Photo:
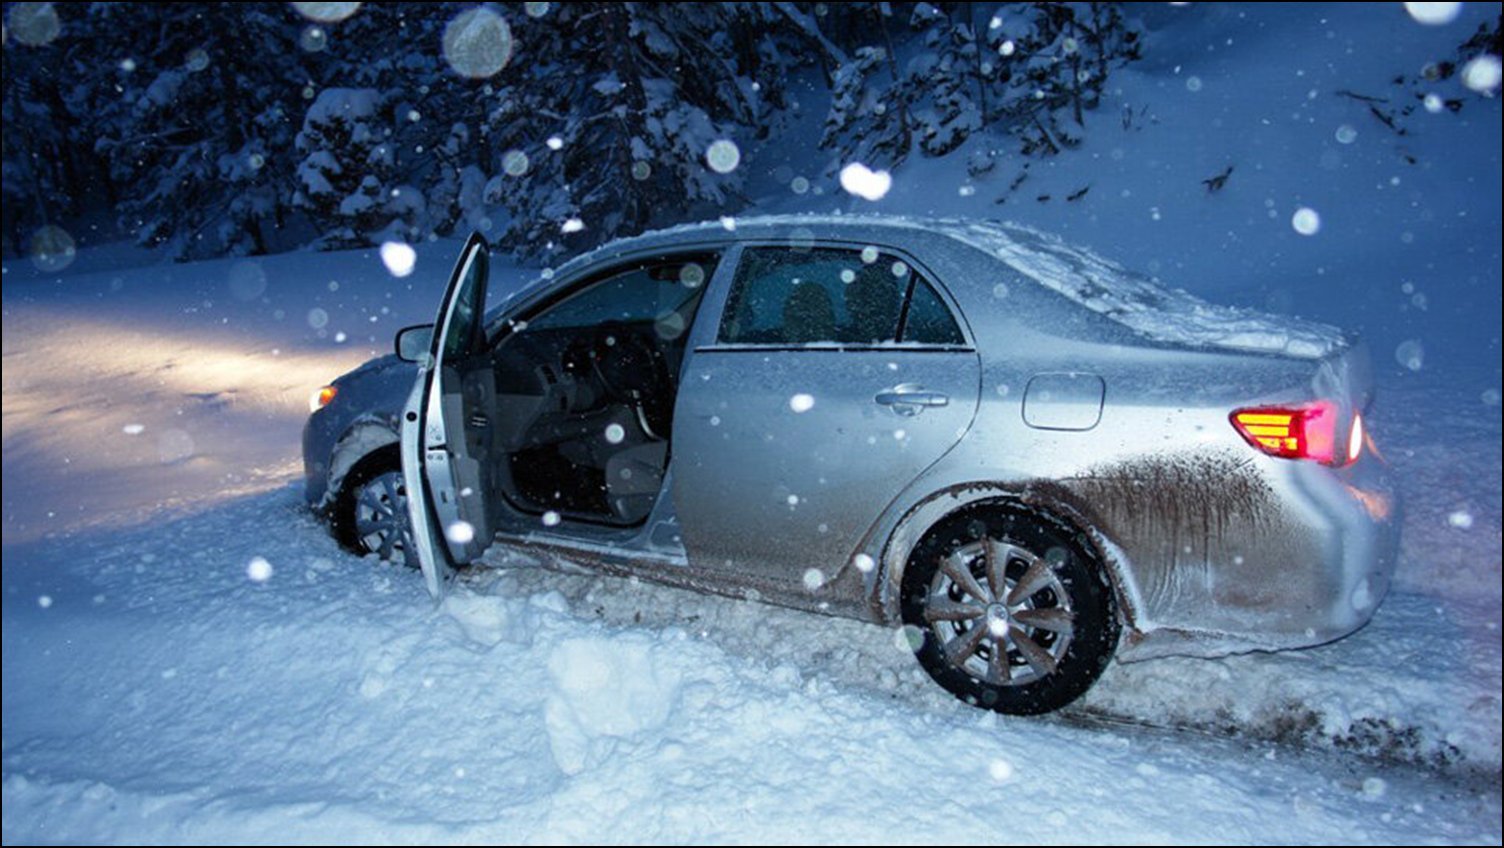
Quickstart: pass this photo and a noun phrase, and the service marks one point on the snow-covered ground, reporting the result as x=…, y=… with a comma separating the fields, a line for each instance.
x=188, y=657
x=162, y=684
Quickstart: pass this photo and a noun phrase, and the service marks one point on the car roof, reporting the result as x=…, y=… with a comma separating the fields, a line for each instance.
x=989, y=248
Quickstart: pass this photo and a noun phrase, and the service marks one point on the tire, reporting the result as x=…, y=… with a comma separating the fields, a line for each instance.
x=370, y=512
x=1051, y=634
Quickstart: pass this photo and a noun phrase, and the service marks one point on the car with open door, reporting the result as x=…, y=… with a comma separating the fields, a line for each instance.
x=1027, y=458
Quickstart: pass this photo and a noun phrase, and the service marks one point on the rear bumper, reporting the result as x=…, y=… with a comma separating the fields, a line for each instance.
x=1307, y=562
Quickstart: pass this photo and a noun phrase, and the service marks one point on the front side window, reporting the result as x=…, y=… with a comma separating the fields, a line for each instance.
x=662, y=293
x=464, y=325
x=783, y=296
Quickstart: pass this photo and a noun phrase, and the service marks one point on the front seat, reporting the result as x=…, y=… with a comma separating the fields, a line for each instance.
x=634, y=476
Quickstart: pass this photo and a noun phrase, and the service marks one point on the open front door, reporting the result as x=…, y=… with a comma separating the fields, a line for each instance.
x=447, y=455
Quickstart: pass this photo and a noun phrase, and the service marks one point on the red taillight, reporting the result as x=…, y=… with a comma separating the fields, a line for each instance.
x=1306, y=431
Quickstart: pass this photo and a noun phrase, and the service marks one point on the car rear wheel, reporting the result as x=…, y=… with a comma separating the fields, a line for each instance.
x=370, y=515
x=1009, y=608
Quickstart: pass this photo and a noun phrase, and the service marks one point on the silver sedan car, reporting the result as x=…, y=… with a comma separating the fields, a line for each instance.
x=1026, y=457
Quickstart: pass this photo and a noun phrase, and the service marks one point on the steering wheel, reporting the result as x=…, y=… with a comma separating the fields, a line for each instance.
x=632, y=370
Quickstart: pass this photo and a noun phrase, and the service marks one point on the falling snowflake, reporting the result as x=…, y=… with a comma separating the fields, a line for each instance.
x=477, y=43
x=1434, y=14
x=326, y=13
x=460, y=532
x=514, y=163
x=398, y=258
x=258, y=570
x=1411, y=354
x=864, y=182
x=52, y=249
x=1306, y=221
x=723, y=156
x=33, y=24
x=1482, y=74
x=313, y=39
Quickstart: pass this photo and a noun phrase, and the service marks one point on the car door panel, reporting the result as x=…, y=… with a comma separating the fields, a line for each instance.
x=785, y=455
x=446, y=437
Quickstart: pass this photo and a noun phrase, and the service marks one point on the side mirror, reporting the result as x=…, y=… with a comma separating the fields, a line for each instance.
x=414, y=343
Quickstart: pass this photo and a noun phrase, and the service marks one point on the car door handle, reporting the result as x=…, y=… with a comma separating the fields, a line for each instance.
x=910, y=394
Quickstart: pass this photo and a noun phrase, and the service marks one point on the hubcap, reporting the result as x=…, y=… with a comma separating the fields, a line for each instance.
x=381, y=517
x=1000, y=612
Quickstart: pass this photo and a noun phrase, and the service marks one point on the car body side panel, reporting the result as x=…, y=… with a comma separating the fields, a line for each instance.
x=1213, y=546
x=784, y=488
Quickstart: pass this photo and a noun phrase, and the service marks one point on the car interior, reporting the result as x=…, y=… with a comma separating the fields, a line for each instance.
x=585, y=390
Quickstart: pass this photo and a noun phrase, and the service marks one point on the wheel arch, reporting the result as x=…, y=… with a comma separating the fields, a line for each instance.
x=365, y=440
x=1036, y=494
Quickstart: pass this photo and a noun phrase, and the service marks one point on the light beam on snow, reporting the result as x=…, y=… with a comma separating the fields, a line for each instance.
x=723, y=156
x=398, y=258
x=802, y=402
x=1306, y=221
x=326, y=13
x=1434, y=14
x=478, y=43
x=864, y=182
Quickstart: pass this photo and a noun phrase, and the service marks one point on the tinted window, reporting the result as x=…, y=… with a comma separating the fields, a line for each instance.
x=662, y=292
x=784, y=296
x=929, y=322
x=464, y=323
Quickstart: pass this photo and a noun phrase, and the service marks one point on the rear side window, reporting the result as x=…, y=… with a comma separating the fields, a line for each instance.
x=783, y=296
x=929, y=322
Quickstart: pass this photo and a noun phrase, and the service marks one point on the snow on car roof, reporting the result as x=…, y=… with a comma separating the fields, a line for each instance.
x=1105, y=287
x=1140, y=304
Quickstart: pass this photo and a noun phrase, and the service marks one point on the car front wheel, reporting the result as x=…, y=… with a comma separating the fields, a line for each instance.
x=370, y=514
x=1009, y=608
